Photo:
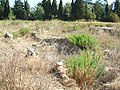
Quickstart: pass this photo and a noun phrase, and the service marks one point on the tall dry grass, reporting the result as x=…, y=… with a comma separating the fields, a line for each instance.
x=17, y=75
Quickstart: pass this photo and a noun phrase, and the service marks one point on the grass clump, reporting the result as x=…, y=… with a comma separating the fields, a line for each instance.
x=1, y=33
x=20, y=33
x=24, y=31
x=76, y=27
x=85, y=41
x=84, y=68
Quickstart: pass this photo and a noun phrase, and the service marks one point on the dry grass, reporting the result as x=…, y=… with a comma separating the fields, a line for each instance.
x=19, y=73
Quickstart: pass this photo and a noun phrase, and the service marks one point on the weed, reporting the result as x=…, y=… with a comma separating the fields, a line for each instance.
x=84, y=41
x=16, y=35
x=119, y=34
x=109, y=25
x=76, y=27
x=84, y=68
x=20, y=33
x=1, y=33
x=24, y=31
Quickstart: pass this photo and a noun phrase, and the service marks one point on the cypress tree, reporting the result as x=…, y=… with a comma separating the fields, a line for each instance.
x=72, y=13
x=67, y=11
x=19, y=10
x=48, y=10
x=117, y=7
x=6, y=9
x=2, y=5
x=44, y=5
x=54, y=8
x=79, y=9
x=27, y=9
x=107, y=10
x=60, y=10
x=98, y=10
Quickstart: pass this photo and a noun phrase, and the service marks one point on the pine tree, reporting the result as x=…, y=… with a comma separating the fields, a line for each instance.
x=79, y=9
x=6, y=9
x=27, y=9
x=19, y=10
x=60, y=10
x=54, y=8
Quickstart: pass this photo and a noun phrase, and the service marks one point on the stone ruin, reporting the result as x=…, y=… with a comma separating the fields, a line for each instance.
x=61, y=72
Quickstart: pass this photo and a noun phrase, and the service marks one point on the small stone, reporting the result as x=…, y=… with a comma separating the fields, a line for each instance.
x=59, y=63
x=8, y=35
x=32, y=52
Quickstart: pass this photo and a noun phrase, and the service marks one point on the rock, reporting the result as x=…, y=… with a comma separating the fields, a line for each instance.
x=31, y=52
x=113, y=86
x=99, y=29
x=107, y=52
x=8, y=35
x=34, y=36
x=59, y=64
x=62, y=75
x=68, y=82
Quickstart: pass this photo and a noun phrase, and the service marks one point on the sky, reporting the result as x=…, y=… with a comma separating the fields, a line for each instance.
x=34, y=2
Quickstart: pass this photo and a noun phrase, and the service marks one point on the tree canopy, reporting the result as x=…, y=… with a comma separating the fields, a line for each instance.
x=75, y=10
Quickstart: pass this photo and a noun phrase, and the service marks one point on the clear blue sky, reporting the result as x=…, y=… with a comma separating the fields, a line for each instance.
x=34, y=2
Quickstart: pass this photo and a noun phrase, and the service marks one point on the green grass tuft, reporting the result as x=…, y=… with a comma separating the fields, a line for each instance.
x=20, y=33
x=84, y=68
x=85, y=41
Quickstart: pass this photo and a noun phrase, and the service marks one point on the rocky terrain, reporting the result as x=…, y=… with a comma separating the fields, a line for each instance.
x=34, y=61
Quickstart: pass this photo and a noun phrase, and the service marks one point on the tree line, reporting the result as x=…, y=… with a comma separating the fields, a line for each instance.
x=47, y=10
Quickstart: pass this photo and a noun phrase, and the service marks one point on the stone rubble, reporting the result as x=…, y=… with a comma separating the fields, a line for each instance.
x=62, y=75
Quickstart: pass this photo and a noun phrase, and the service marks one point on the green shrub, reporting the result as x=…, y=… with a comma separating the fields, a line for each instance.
x=84, y=68
x=24, y=31
x=85, y=41
x=113, y=17
x=90, y=16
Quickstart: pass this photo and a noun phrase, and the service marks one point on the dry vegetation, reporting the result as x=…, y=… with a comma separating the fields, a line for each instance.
x=18, y=72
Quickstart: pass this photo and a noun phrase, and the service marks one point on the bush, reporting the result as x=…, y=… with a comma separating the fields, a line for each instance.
x=113, y=17
x=90, y=16
x=84, y=68
x=84, y=41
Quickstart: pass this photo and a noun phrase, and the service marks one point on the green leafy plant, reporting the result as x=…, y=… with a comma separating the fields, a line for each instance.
x=20, y=33
x=85, y=41
x=24, y=31
x=84, y=68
